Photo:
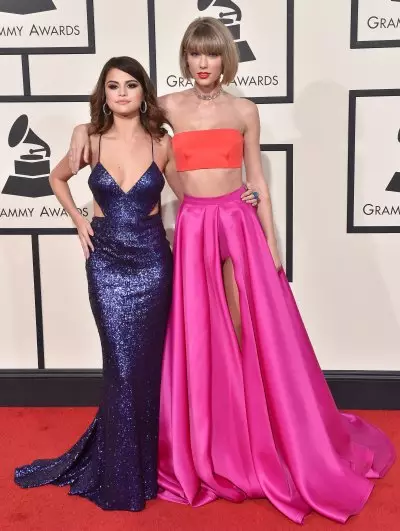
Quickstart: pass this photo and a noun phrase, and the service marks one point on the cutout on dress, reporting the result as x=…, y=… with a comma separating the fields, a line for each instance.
x=97, y=212
x=155, y=210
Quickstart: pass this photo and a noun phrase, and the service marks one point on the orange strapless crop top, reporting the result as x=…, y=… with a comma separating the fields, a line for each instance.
x=207, y=149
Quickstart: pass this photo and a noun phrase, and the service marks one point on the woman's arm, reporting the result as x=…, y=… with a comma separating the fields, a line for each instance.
x=170, y=172
x=59, y=178
x=79, y=148
x=255, y=175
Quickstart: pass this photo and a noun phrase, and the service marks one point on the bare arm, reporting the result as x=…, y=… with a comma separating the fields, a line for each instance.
x=255, y=176
x=170, y=172
x=59, y=178
x=79, y=149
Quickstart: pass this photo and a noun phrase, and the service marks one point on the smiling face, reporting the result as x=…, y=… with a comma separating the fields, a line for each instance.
x=124, y=93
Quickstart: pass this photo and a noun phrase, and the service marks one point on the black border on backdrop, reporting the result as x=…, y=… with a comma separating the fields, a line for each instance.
x=288, y=149
x=374, y=390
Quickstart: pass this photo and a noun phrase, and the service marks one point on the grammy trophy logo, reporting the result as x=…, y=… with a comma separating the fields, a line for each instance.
x=32, y=170
x=26, y=7
x=231, y=18
x=394, y=184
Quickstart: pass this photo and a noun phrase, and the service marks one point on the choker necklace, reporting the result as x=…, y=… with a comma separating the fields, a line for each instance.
x=208, y=96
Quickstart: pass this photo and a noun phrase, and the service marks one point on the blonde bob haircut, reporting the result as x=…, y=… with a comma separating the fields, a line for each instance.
x=209, y=35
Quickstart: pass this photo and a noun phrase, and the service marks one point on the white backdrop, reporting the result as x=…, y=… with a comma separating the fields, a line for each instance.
x=345, y=272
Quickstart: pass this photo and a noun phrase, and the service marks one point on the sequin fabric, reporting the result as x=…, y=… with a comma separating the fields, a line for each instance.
x=129, y=274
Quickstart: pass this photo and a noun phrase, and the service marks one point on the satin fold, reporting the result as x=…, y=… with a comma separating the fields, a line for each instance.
x=257, y=421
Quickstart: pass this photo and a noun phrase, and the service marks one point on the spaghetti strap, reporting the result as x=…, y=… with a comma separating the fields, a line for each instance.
x=152, y=149
x=98, y=157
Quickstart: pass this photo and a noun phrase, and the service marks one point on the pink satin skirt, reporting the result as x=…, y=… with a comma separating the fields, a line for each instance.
x=257, y=421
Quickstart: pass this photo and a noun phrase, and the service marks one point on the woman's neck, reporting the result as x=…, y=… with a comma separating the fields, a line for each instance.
x=127, y=127
x=208, y=90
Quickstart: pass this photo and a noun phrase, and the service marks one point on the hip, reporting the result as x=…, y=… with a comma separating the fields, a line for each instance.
x=138, y=241
x=216, y=206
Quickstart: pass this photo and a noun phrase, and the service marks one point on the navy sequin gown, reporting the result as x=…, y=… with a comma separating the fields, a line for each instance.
x=114, y=464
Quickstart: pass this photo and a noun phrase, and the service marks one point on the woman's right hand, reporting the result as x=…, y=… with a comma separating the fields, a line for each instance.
x=273, y=247
x=85, y=231
x=79, y=148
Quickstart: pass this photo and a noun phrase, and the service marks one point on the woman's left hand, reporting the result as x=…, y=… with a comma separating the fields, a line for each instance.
x=250, y=196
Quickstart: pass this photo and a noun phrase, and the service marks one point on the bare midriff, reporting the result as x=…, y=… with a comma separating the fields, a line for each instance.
x=211, y=182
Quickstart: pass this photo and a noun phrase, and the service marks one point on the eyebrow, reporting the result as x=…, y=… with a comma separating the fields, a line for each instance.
x=129, y=81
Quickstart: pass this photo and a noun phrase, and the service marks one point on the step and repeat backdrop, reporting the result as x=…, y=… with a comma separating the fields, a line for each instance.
x=325, y=78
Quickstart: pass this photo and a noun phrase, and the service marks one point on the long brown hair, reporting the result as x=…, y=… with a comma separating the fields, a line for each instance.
x=152, y=120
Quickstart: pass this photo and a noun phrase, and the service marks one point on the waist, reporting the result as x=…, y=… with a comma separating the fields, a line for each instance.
x=211, y=183
x=128, y=223
x=215, y=200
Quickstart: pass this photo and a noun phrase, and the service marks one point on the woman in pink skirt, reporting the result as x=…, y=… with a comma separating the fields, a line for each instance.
x=245, y=409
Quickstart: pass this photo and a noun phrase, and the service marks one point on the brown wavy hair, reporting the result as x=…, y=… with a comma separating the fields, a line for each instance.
x=152, y=120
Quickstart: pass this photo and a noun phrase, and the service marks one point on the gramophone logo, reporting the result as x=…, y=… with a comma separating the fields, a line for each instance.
x=26, y=7
x=394, y=184
x=32, y=169
x=231, y=17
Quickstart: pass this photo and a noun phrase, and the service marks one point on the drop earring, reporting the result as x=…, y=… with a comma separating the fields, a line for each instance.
x=105, y=109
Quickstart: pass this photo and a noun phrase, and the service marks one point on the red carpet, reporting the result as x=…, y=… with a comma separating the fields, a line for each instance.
x=30, y=433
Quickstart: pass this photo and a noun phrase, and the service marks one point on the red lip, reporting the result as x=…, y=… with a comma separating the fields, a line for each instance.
x=203, y=75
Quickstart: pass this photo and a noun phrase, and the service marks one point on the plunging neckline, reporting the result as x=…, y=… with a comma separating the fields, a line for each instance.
x=134, y=185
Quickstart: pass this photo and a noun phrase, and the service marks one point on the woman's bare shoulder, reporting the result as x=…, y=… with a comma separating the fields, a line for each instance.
x=94, y=139
x=173, y=99
x=246, y=107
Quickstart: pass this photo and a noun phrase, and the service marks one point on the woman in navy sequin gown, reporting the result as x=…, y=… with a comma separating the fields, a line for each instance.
x=129, y=272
